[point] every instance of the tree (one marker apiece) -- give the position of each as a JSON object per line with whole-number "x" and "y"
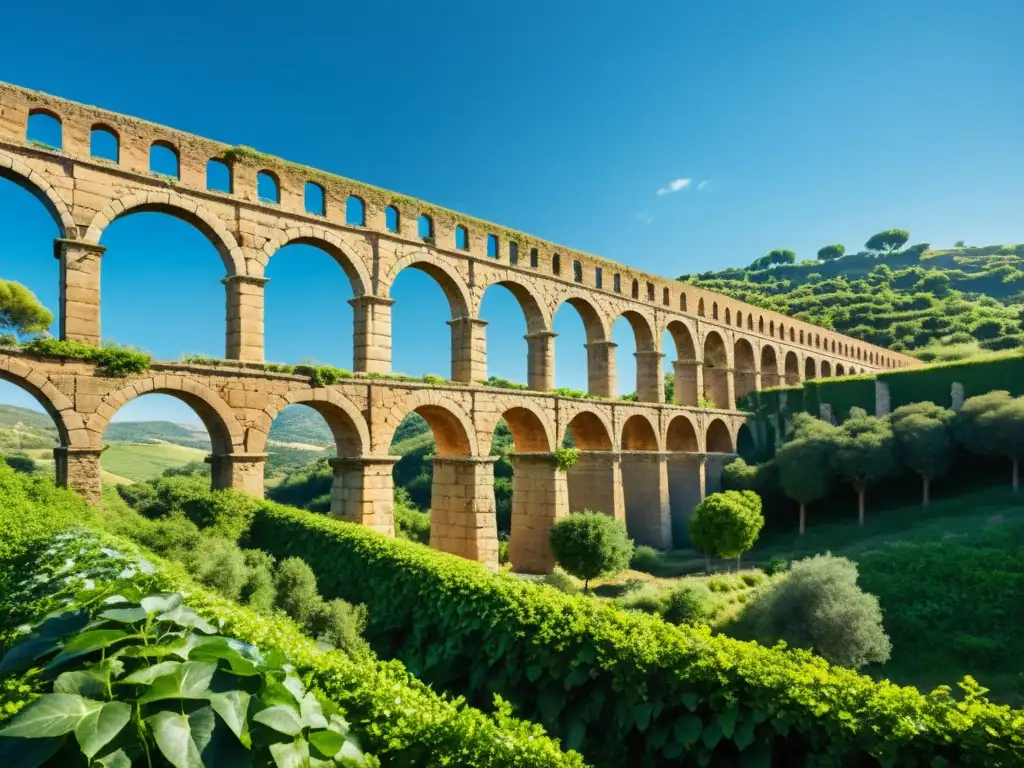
{"x": 781, "y": 256}
{"x": 993, "y": 425}
{"x": 924, "y": 441}
{"x": 726, "y": 524}
{"x": 831, "y": 252}
{"x": 591, "y": 544}
{"x": 21, "y": 311}
{"x": 820, "y": 607}
{"x": 865, "y": 454}
{"x": 887, "y": 241}
{"x": 805, "y": 463}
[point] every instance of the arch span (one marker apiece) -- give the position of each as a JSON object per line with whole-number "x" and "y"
{"x": 444, "y": 274}
{"x": 329, "y": 243}
{"x": 347, "y": 424}
{"x": 716, "y": 367}
{"x": 179, "y": 207}
{"x": 769, "y": 367}
{"x": 590, "y": 432}
{"x": 528, "y": 301}
{"x": 529, "y": 434}
{"x": 792, "y": 369}
{"x": 451, "y": 425}
{"x": 639, "y": 434}
{"x": 682, "y": 435}
{"x": 593, "y": 324}
{"x": 16, "y": 171}
{"x": 70, "y": 427}
{"x": 717, "y": 438}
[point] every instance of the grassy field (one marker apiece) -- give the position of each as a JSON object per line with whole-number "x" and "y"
{"x": 142, "y": 461}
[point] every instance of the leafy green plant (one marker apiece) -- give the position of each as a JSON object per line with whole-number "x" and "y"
{"x": 726, "y": 524}
{"x": 776, "y": 564}
{"x": 114, "y": 362}
{"x": 646, "y": 559}
{"x": 565, "y": 457}
{"x": 686, "y": 604}
{"x": 591, "y": 544}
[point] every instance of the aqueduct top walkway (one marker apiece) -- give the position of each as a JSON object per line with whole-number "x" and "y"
{"x": 648, "y": 462}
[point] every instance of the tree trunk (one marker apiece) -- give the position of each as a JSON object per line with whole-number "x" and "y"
{"x": 1016, "y": 474}
{"x": 707, "y": 564}
{"x": 803, "y": 517}
{"x": 925, "y": 497}
{"x": 860, "y": 506}
{"x": 738, "y": 563}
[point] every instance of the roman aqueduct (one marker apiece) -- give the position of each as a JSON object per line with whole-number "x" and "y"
{"x": 647, "y": 462}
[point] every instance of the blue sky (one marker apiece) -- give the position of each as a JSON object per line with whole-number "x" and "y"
{"x": 795, "y": 123}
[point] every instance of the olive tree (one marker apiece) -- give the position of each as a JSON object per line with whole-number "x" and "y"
{"x": 865, "y": 453}
{"x": 726, "y": 524}
{"x": 805, "y": 463}
{"x": 831, "y": 252}
{"x": 589, "y": 545}
{"x": 924, "y": 441}
{"x": 20, "y": 310}
{"x": 979, "y": 427}
{"x": 1004, "y": 427}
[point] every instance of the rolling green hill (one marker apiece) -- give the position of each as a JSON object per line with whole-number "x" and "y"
{"x": 906, "y": 300}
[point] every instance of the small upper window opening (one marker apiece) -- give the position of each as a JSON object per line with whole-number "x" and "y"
{"x": 392, "y": 220}
{"x": 315, "y": 200}
{"x": 355, "y": 212}
{"x": 425, "y": 229}
{"x": 163, "y": 160}
{"x": 267, "y": 188}
{"x": 577, "y": 271}
{"x": 556, "y": 265}
{"x": 492, "y": 246}
{"x": 461, "y": 238}
{"x": 44, "y": 130}
{"x": 513, "y": 252}
{"x": 218, "y": 176}
{"x": 103, "y": 144}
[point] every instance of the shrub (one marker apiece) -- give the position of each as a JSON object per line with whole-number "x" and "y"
{"x": 297, "y": 594}
{"x": 649, "y": 599}
{"x": 686, "y": 604}
{"x": 412, "y": 524}
{"x": 218, "y": 564}
{"x": 719, "y": 584}
{"x": 258, "y": 590}
{"x": 776, "y": 564}
{"x": 646, "y": 559}
{"x": 589, "y": 671}
{"x": 726, "y": 524}
{"x": 560, "y": 581}
{"x": 752, "y": 578}
{"x": 341, "y": 624}
{"x": 19, "y": 462}
{"x": 591, "y": 544}
{"x": 820, "y": 607}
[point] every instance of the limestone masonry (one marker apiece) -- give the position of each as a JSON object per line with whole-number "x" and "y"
{"x": 646, "y": 462}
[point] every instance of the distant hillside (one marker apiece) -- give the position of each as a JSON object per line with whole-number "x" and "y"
{"x": 904, "y": 301}
{"x": 189, "y": 435}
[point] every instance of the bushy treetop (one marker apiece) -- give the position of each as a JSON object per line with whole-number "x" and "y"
{"x": 20, "y": 310}
{"x": 726, "y": 524}
{"x": 591, "y": 544}
{"x": 831, "y": 252}
{"x": 887, "y": 240}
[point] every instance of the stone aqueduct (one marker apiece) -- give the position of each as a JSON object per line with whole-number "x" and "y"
{"x": 647, "y": 462}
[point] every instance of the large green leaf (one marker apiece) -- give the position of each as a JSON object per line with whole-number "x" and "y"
{"x": 161, "y": 603}
{"x": 184, "y": 616}
{"x": 52, "y": 714}
{"x": 687, "y": 730}
{"x": 233, "y": 707}
{"x": 311, "y": 713}
{"x": 98, "y": 728}
{"x": 328, "y": 742}
{"x": 126, "y": 615}
{"x": 147, "y": 675}
{"x": 87, "y": 642}
{"x": 182, "y": 738}
{"x": 190, "y": 680}
{"x": 206, "y": 648}
{"x": 281, "y": 718}
{"x": 63, "y": 624}
{"x": 91, "y": 683}
{"x": 291, "y": 755}
{"x": 23, "y": 655}
{"x": 116, "y": 759}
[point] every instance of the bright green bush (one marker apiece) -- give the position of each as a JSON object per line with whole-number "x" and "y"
{"x": 297, "y": 595}
{"x": 589, "y": 545}
{"x": 258, "y": 589}
{"x": 218, "y": 564}
{"x": 115, "y": 362}
{"x": 341, "y": 624}
{"x": 686, "y": 604}
{"x": 627, "y": 688}
{"x": 819, "y": 606}
{"x": 726, "y": 524}
{"x": 410, "y": 523}
{"x": 646, "y": 559}
{"x": 776, "y": 564}
{"x": 647, "y": 598}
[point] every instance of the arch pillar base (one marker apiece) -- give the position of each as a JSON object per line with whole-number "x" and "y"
{"x": 689, "y": 386}
{"x": 363, "y": 491}
{"x": 648, "y": 516}
{"x": 372, "y": 327}
{"x": 601, "y": 368}
{"x": 79, "y": 470}
{"x": 540, "y": 498}
{"x": 713, "y": 466}
{"x": 244, "y": 296}
{"x": 595, "y": 482}
{"x": 650, "y": 383}
{"x": 79, "y": 290}
{"x": 540, "y": 367}
{"x": 462, "y": 512}
{"x": 686, "y": 479}
{"x": 469, "y": 349}
{"x": 719, "y": 387}
{"x": 242, "y": 472}
{"x": 745, "y": 382}
{"x": 769, "y": 380}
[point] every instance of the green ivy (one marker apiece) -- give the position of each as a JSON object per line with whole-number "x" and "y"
{"x": 114, "y": 362}
{"x": 629, "y": 689}
{"x": 565, "y": 457}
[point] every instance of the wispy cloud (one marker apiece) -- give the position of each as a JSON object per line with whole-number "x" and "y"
{"x": 644, "y": 218}
{"x": 674, "y": 186}
{"x": 702, "y": 184}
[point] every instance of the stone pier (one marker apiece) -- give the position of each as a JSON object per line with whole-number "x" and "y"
{"x": 362, "y": 491}
{"x": 462, "y": 512}
{"x": 540, "y": 498}
{"x": 645, "y": 489}
{"x": 685, "y": 491}
{"x": 595, "y": 483}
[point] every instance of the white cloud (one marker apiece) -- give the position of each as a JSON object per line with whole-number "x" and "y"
{"x": 674, "y": 186}
{"x": 644, "y": 218}
{"x": 702, "y": 184}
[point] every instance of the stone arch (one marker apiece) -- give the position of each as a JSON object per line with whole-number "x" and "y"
{"x": 180, "y": 207}
{"x": 70, "y": 427}
{"x": 686, "y": 364}
{"x": 226, "y": 434}
{"x": 744, "y": 376}
{"x": 746, "y": 446}
{"x": 810, "y": 368}
{"x": 643, "y": 330}
{"x": 444, "y": 274}
{"x": 792, "y": 369}
{"x": 330, "y": 244}
{"x": 528, "y": 301}
{"x": 716, "y": 367}
{"x": 682, "y": 337}
{"x": 33, "y": 182}
{"x": 681, "y": 435}
{"x": 639, "y": 434}
{"x": 826, "y": 369}
{"x": 593, "y": 322}
{"x": 717, "y": 438}
{"x": 590, "y": 431}
{"x": 529, "y": 433}
{"x": 769, "y": 367}
{"x": 840, "y": 371}
{"x": 451, "y": 425}
{"x": 347, "y": 424}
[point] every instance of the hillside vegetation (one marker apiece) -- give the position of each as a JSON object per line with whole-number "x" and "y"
{"x": 903, "y": 300}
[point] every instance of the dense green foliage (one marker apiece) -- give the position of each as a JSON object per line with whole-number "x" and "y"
{"x": 865, "y": 453}
{"x": 726, "y": 524}
{"x": 400, "y": 719}
{"x": 20, "y": 311}
{"x": 619, "y": 685}
{"x": 903, "y": 300}
{"x": 112, "y": 361}
{"x": 924, "y": 440}
{"x": 590, "y": 545}
{"x": 818, "y": 606}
